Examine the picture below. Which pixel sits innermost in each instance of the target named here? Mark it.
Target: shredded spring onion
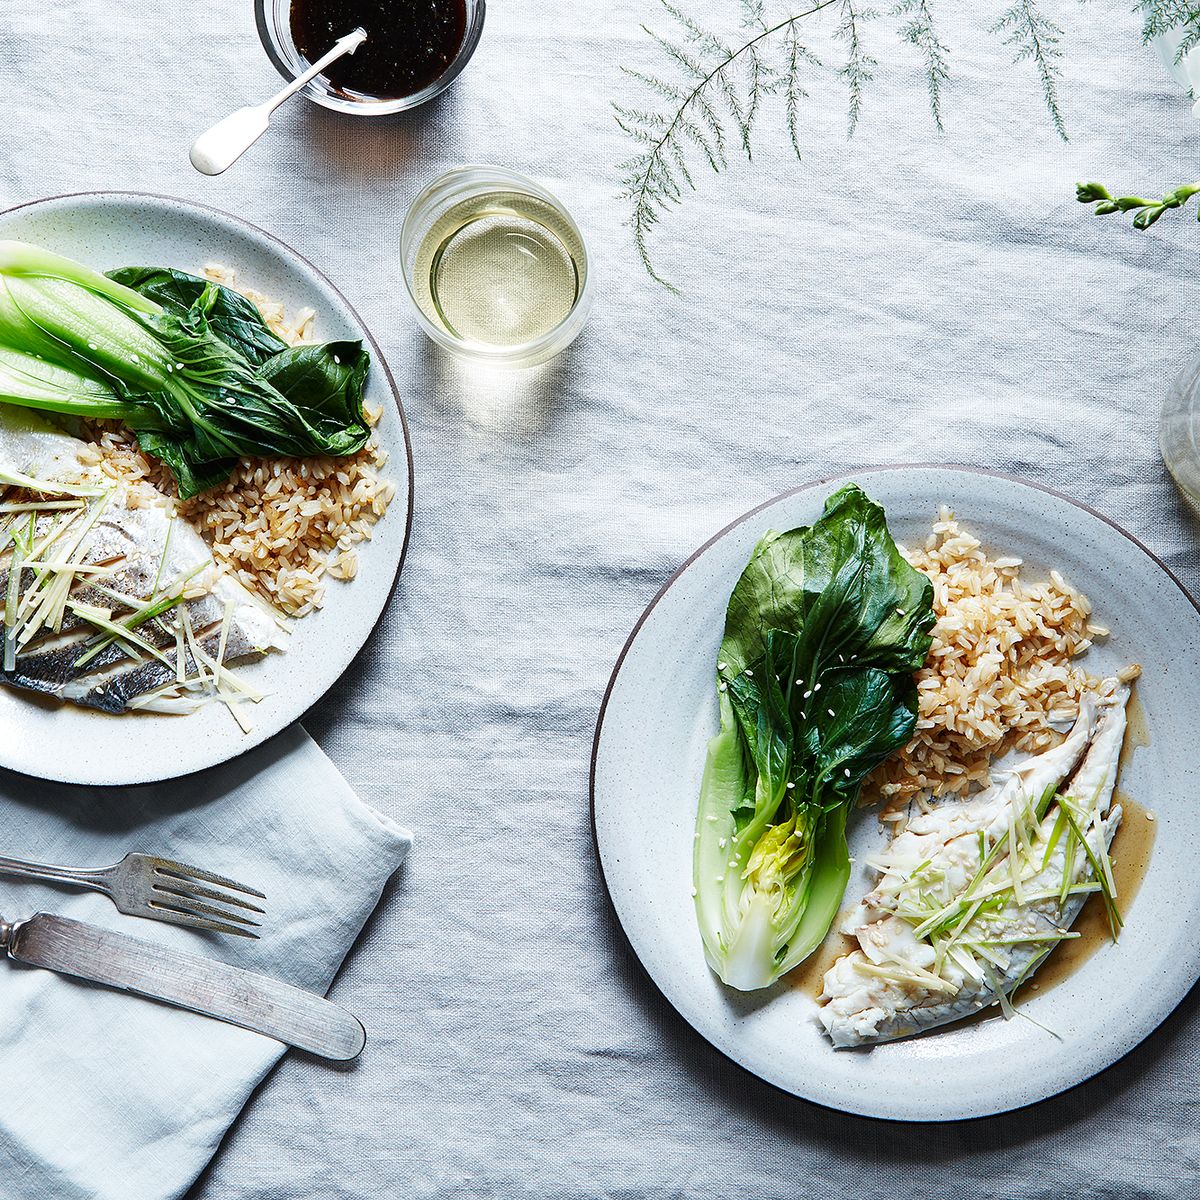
(21, 545)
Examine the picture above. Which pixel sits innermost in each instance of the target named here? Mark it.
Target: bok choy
(189, 366)
(823, 632)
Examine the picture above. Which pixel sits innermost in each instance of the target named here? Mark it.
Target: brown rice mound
(278, 525)
(999, 675)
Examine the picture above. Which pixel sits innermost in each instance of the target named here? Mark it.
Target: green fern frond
(655, 83)
(753, 14)
(920, 32)
(735, 77)
(859, 67)
(713, 88)
(703, 39)
(679, 56)
(1164, 16)
(1034, 37)
(793, 92)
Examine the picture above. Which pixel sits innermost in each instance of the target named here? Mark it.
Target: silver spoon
(220, 147)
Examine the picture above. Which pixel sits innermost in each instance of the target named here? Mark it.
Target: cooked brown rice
(279, 525)
(999, 676)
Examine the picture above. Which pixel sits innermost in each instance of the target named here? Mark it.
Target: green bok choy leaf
(189, 366)
(823, 632)
(233, 318)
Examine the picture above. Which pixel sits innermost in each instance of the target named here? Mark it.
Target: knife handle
(203, 985)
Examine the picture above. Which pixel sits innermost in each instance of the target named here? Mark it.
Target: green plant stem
(1146, 212)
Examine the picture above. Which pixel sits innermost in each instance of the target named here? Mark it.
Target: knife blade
(239, 997)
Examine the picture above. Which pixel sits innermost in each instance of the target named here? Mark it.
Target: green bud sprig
(1146, 212)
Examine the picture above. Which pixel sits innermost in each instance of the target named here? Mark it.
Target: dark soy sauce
(409, 45)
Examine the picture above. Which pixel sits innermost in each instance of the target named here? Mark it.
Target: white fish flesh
(132, 533)
(973, 895)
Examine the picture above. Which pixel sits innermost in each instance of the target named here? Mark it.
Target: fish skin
(858, 1008)
(130, 534)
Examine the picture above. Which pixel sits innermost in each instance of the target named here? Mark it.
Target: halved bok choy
(187, 365)
(814, 677)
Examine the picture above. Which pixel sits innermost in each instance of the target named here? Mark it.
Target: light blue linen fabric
(106, 1096)
(901, 297)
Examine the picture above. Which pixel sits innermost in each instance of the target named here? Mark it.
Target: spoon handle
(218, 148)
(344, 45)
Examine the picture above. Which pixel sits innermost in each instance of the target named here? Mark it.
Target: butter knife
(239, 997)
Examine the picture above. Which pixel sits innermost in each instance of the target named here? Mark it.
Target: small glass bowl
(275, 30)
(464, 183)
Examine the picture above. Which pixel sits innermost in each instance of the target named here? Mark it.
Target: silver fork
(142, 885)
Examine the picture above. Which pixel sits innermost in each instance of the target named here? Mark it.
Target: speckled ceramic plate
(111, 229)
(660, 711)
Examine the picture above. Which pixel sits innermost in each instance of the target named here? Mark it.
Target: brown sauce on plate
(1130, 856)
(1137, 733)
(410, 43)
(1130, 853)
(809, 976)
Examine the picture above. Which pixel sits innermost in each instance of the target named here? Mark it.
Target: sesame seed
(847, 772)
(749, 673)
(722, 666)
(899, 612)
(693, 892)
(710, 817)
(1149, 816)
(807, 694)
(831, 712)
(816, 687)
(721, 843)
(790, 785)
(720, 878)
(723, 687)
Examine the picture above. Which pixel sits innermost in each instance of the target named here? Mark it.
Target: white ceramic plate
(660, 711)
(112, 229)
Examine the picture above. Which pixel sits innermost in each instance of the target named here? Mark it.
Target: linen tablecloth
(108, 1097)
(898, 297)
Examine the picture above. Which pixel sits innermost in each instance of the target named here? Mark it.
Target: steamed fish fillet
(986, 879)
(141, 545)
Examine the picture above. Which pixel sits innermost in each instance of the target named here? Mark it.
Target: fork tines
(188, 896)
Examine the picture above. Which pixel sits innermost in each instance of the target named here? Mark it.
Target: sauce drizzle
(1130, 854)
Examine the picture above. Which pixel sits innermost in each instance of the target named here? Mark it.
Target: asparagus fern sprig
(711, 90)
(1035, 38)
(1145, 212)
(1161, 17)
(698, 109)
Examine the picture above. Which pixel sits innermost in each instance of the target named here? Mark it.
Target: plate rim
(379, 360)
(825, 481)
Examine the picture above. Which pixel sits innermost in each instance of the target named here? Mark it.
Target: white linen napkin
(107, 1096)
